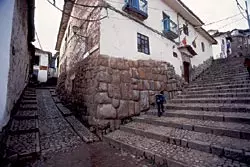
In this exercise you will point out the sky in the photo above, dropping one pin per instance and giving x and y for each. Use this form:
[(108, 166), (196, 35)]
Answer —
[(47, 18)]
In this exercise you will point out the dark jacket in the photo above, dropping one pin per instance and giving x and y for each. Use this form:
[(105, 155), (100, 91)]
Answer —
[(160, 98), (247, 62)]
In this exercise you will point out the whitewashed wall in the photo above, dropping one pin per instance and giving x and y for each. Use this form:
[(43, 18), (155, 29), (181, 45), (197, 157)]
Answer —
[(44, 61), (6, 15), (217, 49), (194, 35), (119, 36)]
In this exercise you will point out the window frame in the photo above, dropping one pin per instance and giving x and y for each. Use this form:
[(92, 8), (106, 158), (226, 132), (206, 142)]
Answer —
[(185, 29), (143, 44), (203, 47)]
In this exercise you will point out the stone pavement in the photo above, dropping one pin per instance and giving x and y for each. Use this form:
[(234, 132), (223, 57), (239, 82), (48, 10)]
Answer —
[(207, 125), (55, 133), (62, 139)]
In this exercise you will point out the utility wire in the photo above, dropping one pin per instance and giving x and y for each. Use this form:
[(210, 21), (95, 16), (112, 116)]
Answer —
[(227, 18), (238, 4), (240, 8), (75, 16), (148, 7), (87, 6), (230, 23), (39, 41)]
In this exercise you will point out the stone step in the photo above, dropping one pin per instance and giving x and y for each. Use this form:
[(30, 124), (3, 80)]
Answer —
[(81, 130), (31, 94), (28, 101), (233, 90), (229, 86), (210, 107), (244, 82), (28, 107), (28, 98), (222, 79), (204, 82), (26, 114), (230, 100), (216, 70), (20, 126), (218, 76), (56, 99), (238, 149), (219, 73), (65, 111), (163, 153), (53, 93), (214, 95), (25, 146), (235, 130), (206, 115)]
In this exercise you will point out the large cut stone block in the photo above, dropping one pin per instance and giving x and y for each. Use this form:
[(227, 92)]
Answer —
[(125, 77), (103, 76), (126, 91), (122, 111), (142, 73), (144, 100), (114, 91), (102, 98), (136, 95), (116, 103), (137, 108), (103, 87), (106, 111), (116, 77), (131, 108), (135, 73)]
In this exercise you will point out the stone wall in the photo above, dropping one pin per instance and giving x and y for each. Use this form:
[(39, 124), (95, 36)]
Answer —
[(197, 71), (19, 54), (114, 89)]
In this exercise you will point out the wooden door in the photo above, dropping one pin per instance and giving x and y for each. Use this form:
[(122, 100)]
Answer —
[(186, 66)]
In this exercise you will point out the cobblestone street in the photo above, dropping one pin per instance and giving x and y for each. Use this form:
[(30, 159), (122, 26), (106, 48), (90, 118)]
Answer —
[(62, 146)]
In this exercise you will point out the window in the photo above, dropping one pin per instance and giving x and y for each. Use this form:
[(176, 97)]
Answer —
[(185, 29), (203, 47), (175, 54), (143, 43), (194, 43), (36, 60), (138, 7)]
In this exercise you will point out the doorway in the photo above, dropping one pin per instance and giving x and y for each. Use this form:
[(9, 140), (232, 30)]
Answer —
[(186, 66)]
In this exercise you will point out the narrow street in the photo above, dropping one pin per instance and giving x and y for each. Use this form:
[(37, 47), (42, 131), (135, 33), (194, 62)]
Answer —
[(60, 145)]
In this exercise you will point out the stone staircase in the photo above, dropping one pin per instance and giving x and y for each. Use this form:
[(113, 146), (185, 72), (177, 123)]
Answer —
[(207, 125), (23, 139)]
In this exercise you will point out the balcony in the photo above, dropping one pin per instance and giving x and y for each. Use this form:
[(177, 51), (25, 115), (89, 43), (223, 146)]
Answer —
[(138, 8), (170, 29)]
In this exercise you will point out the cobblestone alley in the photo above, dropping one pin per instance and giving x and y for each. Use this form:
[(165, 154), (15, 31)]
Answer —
[(58, 142)]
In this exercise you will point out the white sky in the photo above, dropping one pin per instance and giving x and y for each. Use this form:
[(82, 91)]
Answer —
[(47, 18)]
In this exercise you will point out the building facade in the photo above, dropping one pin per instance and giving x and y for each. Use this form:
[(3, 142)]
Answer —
[(115, 56), (17, 33), (233, 43), (41, 65)]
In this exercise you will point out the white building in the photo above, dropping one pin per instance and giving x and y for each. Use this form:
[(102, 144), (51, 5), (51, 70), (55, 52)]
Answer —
[(41, 65), (221, 49), (174, 33), (115, 56)]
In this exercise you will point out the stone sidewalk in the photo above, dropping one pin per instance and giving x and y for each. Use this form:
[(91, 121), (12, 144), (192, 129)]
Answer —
[(61, 145)]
